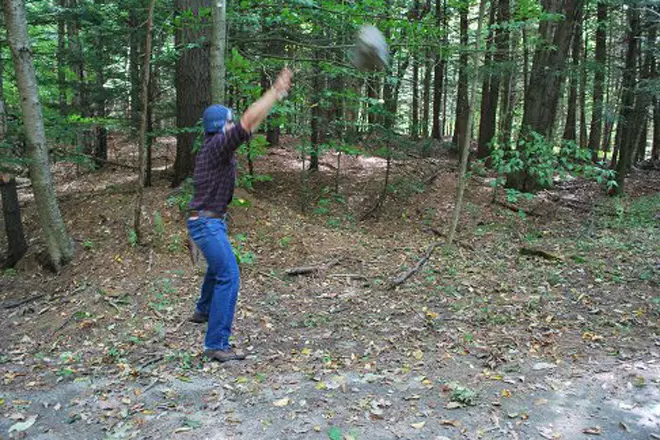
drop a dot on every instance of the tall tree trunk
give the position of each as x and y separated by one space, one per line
655 149
625 131
583 91
438 75
414 129
373 92
316 123
486 123
101 137
599 80
58 243
135 33
11 210
61 59
543 92
218 49
509 90
142 164
193 85
462 105
426 95
570 128
464 147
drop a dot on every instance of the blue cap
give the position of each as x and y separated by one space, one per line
215 117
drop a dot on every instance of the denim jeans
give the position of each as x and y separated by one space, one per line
221 283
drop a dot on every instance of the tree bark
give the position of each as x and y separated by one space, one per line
464 147
570 128
193 86
426 96
655 149
101 137
599 81
61 60
414 129
438 76
462 105
58 243
218 48
142 164
11 211
543 91
625 137
134 69
486 123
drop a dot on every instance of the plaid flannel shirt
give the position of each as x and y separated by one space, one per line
215 170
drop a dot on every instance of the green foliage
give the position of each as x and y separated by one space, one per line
183 196
159 226
624 213
542 161
239 246
132 237
461 394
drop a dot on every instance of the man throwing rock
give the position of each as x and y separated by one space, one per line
213 179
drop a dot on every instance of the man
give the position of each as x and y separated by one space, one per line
214 176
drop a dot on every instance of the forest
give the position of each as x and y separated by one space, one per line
461 244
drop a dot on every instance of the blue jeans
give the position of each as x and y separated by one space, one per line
221 283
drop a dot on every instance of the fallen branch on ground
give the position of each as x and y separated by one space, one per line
534 252
13 305
397 281
304 270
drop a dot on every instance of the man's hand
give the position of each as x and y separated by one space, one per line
258 111
283 83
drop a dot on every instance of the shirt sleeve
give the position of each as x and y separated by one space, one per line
223 144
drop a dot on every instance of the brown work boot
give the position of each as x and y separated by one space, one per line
198 318
225 355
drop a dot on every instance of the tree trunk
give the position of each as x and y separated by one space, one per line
142 164
101 137
509 89
626 127
61 60
599 81
373 92
486 122
218 48
426 96
544 89
438 76
193 85
414 129
316 124
11 211
655 149
134 68
570 128
58 243
464 147
583 91
462 105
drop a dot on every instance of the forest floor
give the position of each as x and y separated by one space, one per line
491 339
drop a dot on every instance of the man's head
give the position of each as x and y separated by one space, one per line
217 118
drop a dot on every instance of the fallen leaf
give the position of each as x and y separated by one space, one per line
624 426
282 402
418 354
450 423
419 425
453 405
593 431
23 426
506 393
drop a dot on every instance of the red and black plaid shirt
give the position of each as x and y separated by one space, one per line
215 170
